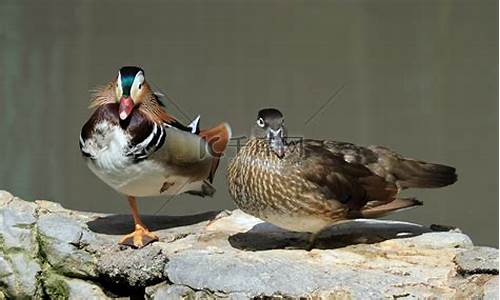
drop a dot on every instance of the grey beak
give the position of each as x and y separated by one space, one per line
276 142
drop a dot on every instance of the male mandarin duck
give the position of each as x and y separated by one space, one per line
135 146
310 185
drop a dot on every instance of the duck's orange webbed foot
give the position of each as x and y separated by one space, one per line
139 238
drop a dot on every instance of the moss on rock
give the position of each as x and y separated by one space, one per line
54 286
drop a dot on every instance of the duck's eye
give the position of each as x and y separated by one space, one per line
260 122
138 81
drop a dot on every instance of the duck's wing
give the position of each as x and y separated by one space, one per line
178 125
146 140
161 140
402 171
172 142
195 125
351 185
184 148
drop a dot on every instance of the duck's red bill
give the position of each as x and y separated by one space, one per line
126 106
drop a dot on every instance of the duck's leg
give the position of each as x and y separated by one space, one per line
312 240
141 235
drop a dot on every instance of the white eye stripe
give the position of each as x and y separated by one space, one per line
137 83
139 78
119 85
260 122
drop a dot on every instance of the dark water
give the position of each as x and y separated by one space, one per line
420 77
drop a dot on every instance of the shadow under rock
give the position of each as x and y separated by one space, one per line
123 224
265 236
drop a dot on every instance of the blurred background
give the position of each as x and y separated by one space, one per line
419 77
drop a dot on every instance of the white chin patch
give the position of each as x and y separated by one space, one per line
123 115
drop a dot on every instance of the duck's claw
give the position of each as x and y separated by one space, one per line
139 238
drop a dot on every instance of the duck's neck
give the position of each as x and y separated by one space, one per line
259 147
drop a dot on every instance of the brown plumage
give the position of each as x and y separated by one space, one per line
312 184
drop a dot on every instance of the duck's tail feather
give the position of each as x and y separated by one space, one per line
383 209
419 174
411 173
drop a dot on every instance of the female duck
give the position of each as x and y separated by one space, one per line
311 184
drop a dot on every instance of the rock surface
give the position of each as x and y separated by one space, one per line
47 251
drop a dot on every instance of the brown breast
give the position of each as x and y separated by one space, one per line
260 183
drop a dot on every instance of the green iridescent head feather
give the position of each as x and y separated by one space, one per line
127 78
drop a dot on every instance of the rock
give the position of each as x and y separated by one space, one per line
478 260
439 240
47 251
83 290
5 198
60 239
134 268
25 270
166 291
16 223
18 275
490 290
55 286
19 265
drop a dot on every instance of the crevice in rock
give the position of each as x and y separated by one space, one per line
41 257
399 296
476 261
276 296
476 271
209 293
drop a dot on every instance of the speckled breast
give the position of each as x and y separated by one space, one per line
272 189
254 184
262 184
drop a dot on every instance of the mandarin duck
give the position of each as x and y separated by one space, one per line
309 185
135 146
